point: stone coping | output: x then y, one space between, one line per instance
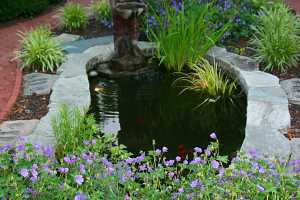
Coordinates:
267 110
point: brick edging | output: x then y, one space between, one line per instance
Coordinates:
13 98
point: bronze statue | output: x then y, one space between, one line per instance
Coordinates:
126 32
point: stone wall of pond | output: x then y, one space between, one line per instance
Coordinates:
267 111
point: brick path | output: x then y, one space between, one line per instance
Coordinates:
294 4
10 75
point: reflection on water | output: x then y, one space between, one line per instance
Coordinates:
141 110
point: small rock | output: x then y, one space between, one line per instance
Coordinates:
93 73
65 37
10 131
38 83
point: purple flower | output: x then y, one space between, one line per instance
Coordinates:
252 152
181 190
21 147
158 152
207 152
215 164
197 160
63 170
81 168
171 174
129 160
198 150
78 179
221 171
34 179
24 172
165 149
213 136
185 162
127 197
169 162
86 142
261 170
48 151
94 141
260 188
80 196
67 160
195 183
178 158
140 158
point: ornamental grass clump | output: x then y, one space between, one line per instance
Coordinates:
32 172
183 33
103 12
40 51
210 81
72 128
276 38
74 17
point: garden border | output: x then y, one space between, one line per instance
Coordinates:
268 116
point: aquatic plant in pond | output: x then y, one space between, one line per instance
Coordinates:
209 80
31 172
183 33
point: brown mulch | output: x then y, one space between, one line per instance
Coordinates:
30 107
93 29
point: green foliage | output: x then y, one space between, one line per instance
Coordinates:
183 36
71 129
277 38
10 9
209 80
39 50
74 17
240 14
102 10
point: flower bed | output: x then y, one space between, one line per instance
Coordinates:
100 170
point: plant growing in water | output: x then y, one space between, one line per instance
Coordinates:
277 38
74 17
183 34
71 129
39 50
209 80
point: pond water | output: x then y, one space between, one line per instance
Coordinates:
146 108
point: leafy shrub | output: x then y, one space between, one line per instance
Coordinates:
27 8
103 12
71 129
39 50
182 34
32 172
74 17
241 15
209 80
277 39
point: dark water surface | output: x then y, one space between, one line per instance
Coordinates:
142 109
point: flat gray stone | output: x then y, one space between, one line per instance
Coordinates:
11 131
292 89
274 95
71 91
295 145
259 79
38 83
81 45
268 114
66 37
267 142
